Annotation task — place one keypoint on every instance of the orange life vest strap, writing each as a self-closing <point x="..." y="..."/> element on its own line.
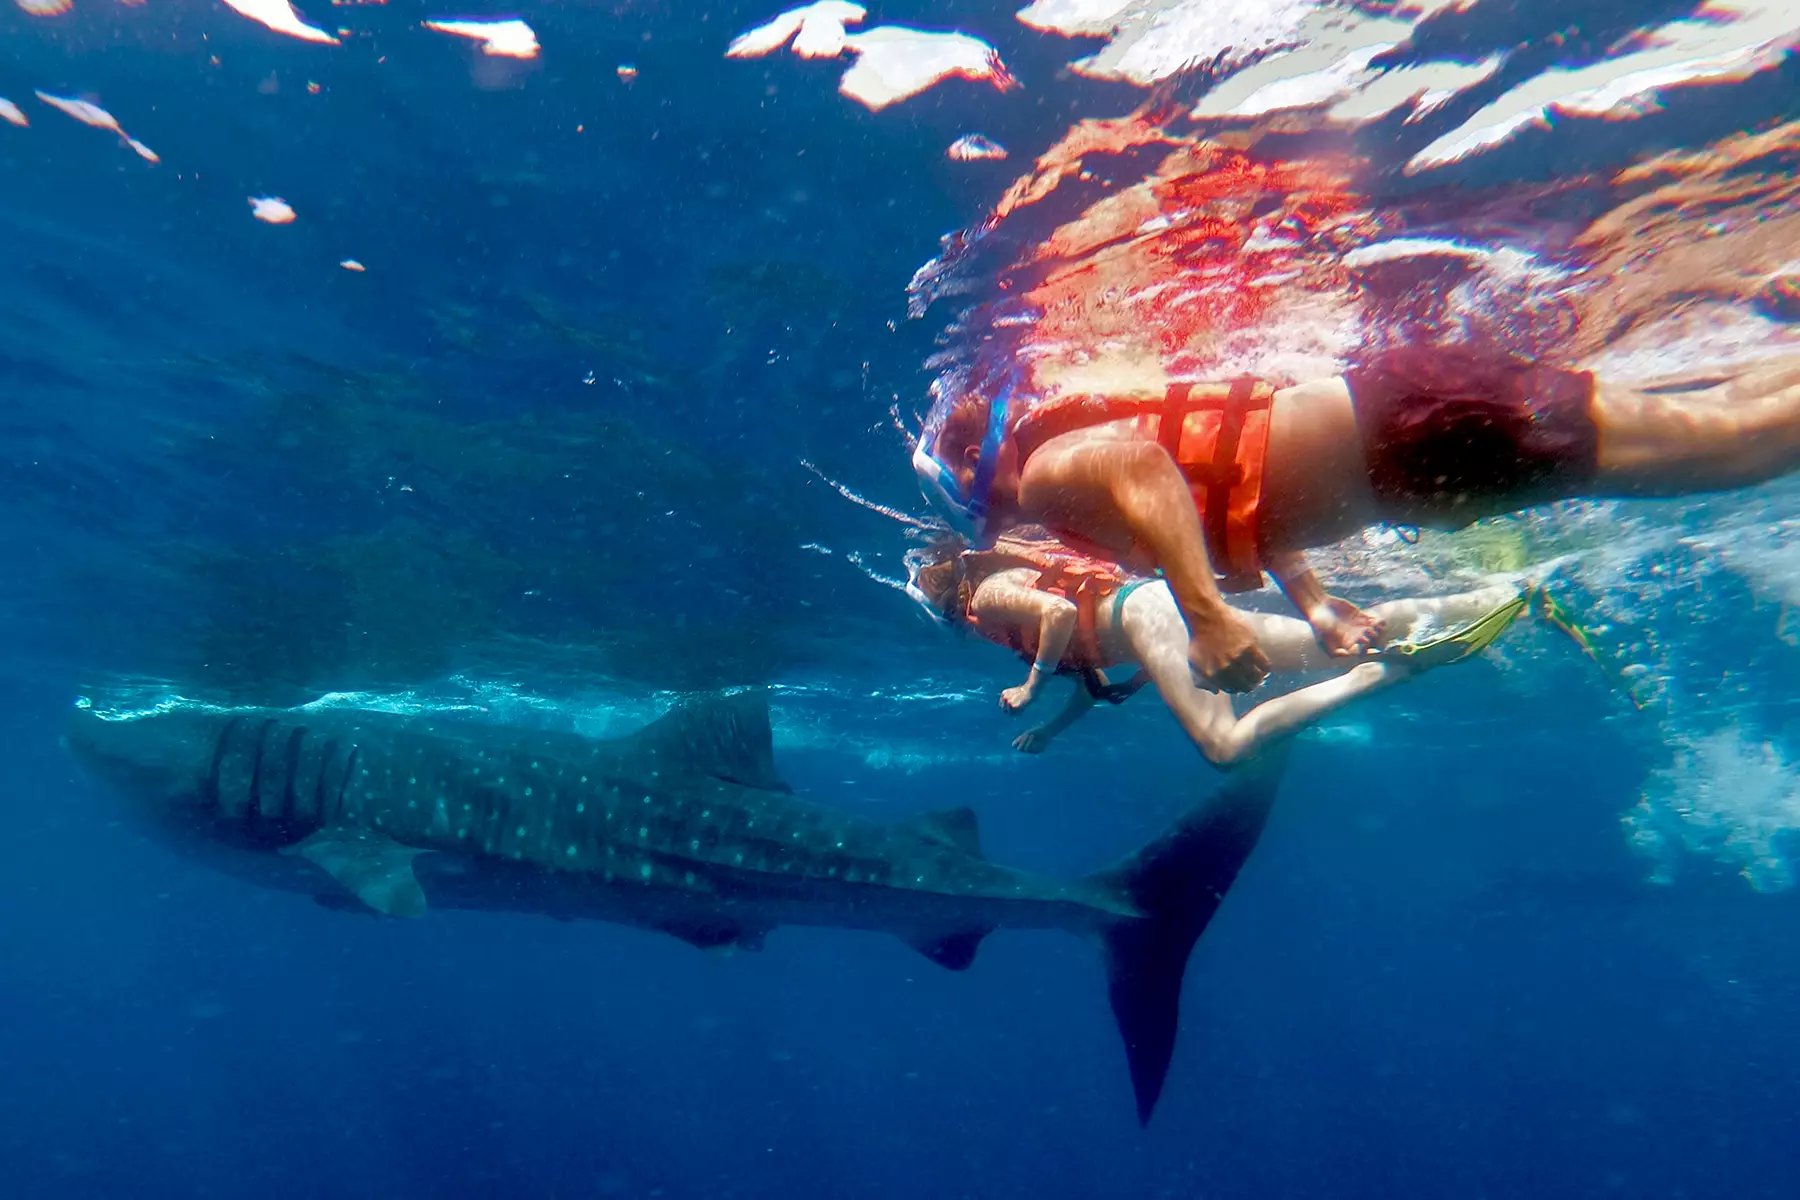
<point x="1226" y="494"/>
<point x="1084" y="590"/>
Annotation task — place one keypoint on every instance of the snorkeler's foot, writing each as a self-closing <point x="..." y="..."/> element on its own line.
<point x="1461" y="643"/>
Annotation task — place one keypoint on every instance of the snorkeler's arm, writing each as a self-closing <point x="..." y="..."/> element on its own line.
<point x="1128" y="495"/>
<point x="1343" y="629"/>
<point x="1001" y="602"/>
<point x="1036" y="741"/>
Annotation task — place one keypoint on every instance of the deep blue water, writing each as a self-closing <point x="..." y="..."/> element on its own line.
<point x="551" y="440"/>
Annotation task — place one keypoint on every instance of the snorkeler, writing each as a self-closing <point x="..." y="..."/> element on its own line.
<point x="1067" y="614"/>
<point x="1239" y="355"/>
<point x="1189" y="478"/>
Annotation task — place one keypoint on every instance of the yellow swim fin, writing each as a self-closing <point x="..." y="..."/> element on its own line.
<point x="1458" y="644"/>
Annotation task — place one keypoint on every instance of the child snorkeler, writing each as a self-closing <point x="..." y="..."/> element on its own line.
<point x="1068" y="614"/>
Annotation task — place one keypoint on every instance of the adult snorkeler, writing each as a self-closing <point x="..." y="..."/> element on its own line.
<point x="1106" y="396"/>
<point x="1250" y="477"/>
<point x="1067" y="614"/>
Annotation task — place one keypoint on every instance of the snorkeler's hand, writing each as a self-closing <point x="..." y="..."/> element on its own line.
<point x="1344" y="630"/>
<point x="1015" y="698"/>
<point x="1032" y="741"/>
<point x="1222" y="652"/>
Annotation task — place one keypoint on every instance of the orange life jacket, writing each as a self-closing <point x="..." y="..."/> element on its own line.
<point x="1061" y="572"/>
<point x="1218" y="434"/>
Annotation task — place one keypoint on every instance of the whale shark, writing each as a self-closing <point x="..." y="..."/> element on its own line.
<point x="684" y="827"/>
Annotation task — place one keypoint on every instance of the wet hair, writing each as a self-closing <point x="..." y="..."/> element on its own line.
<point x="965" y="425"/>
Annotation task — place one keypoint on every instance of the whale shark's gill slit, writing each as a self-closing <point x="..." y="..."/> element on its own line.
<point x="343" y="785"/>
<point x="327" y="756"/>
<point x="288" y="798"/>
<point x="253" y="801"/>
<point x="211" y="798"/>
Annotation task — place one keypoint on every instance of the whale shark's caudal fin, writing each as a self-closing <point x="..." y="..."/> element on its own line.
<point x="1177" y="882"/>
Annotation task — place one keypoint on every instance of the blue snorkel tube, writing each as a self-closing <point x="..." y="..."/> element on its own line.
<point x="967" y="512"/>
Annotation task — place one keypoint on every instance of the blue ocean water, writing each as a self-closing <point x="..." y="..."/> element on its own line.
<point x="1509" y="932"/>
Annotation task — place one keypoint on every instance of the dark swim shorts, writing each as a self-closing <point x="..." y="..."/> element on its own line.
<point x="1451" y="436"/>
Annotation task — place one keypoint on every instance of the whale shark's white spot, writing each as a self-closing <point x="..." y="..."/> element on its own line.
<point x="580" y="806"/>
<point x="645" y="870"/>
<point x="521" y="831"/>
<point x="694" y="845"/>
<point x="643" y="833"/>
<point x="584" y="779"/>
<point x="534" y="766"/>
<point x="528" y="791"/>
<point x="571" y="850"/>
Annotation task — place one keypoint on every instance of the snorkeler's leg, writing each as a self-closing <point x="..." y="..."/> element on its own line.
<point x="1732" y="434"/>
<point x="1293" y="712"/>
<point x="1226" y="739"/>
<point x="1291" y="646"/>
<point x="1403" y="617"/>
<point x="1158" y="638"/>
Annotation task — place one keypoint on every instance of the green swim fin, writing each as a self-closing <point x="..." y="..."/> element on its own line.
<point x="1458" y="644"/>
<point x="1559" y="617"/>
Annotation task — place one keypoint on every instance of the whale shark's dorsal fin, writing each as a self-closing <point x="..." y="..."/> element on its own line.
<point x="726" y="737"/>
<point x="955" y="827"/>
<point x="372" y="866"/>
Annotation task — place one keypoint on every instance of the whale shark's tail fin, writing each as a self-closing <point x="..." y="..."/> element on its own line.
<point x="1177" y="882"/>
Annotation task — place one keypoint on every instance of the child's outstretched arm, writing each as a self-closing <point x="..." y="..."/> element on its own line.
<point x="1004" y="601"/>
<point x="1036" y="741"/>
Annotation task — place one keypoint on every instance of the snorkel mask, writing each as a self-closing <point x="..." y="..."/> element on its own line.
<point x="915" y="562"/>
<point x="966" y="512"/>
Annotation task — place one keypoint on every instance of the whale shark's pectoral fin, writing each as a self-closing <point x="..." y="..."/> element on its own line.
<point x="715" y="935"/>
<point x="951" y="951"/>
<point x="372" y="866"/>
